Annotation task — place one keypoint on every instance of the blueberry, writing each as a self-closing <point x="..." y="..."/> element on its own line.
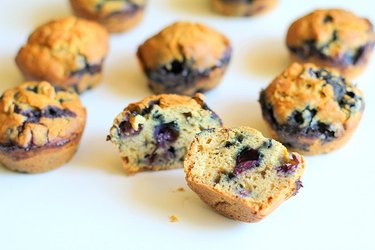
<point x="247" y="159"/>
<point x="32" y="89"/>
<point x="149" y="107"/>
<point x="126" y="129"/>
<point x="328" y="19"/>
<point x="288" y="168"/>
<point x="166" y="133"/>
<point x="56" y="112"/>
<point x="88" y="68"/>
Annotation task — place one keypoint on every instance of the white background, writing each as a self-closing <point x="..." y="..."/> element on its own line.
<point x="91" y="204"/>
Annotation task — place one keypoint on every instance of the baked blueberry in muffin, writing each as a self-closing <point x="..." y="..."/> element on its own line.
<point x="311" y="109"/>
<point x="240" y="173"/>
<point x="332" y="38"/>
<point x="242" y="7"/>
<point x="184" y="58"/>
<point x="155" y="133"/>
<point x="40" y="127"/>
<point x="115" y="15"/>
<point x="67" y="52"/>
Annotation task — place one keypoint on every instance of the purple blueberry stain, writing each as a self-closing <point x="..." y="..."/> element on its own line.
<point x="243" y="193"/>
<point x="56" y="112"/>
<point x="51" y="112"/>
<point x="247" y="159"/>
<point x="288" y="168"/>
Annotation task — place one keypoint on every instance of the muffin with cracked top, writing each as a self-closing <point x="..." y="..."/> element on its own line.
<point x="155" y="133"/>
<point x="184" y="58"/>
<point x="242" y="7"/>
<point x="115" y="15"/>
<point x="240" y="173"/>
<point x="67" y="52"/>
<point x="311" y="109"/>
<point x="332" y="38"/>
<point x="40" y="127"/>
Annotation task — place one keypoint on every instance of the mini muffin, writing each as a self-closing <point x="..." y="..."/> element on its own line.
<point x="311" y="109"/>
<point x="67" y="52"/>
<point x="115" y="15"/>
<point x="242" y="7"/>
<point x="332" y="38"/>
<point x="155" y="133"/>
<point x="240" y="173"/>
<point x="40" y="127"/>
<point x="184" y="58"/>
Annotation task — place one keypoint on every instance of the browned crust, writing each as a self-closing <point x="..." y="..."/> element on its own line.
<point x="316" y="146"/>
<point x="41" y="159"/>
<point x="131" y="170"/>
<point x="232" y="207"/>
<point x="242" y="8"/>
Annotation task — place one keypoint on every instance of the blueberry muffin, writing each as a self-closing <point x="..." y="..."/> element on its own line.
<point x="67" y="52"/>
<point x="184" y="58"/>
<point x="242" y="7"/>
<point x="40" y="127"/>
<point x="332" y="38"/>
<point x="311" y="109"/>
<point x="240" y="173"/>
<point x="115" y="15"/>
<point x="155" y="133"/>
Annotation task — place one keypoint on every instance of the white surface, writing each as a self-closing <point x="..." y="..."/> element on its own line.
<point x="90" y="203"/>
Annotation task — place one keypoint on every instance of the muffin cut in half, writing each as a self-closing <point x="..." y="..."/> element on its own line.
<point x="115" y="16"/>
<point x="185" y="58"/>
<point x="40" y="127"/>
<point x="332" y="38"/>
<point x="310" y="109"/>
<point x="155" y="133"/>
<point x="240" y="173"/>
<point x="67" y="52"/>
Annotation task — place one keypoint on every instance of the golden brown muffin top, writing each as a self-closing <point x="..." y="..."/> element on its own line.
<point x="333" y="31"/>
<point x="200" y="45"/>
<point x="61" y="47"/>
<point x="103" y="8"/>
<point x="304" y="94"/>
<point x="36" y="114"/>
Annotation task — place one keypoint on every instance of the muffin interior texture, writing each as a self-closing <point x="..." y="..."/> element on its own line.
<point x="156" y="132"/>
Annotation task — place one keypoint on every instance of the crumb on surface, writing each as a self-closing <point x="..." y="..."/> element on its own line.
<point x="181" y="189"/>
<point x="173" y="218"/>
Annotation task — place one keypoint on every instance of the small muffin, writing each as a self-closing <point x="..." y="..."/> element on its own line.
<point x="184" y="58"/>
<point x="332" y="38"/>
<point x="40" y="127"/>
<point x="242" y="7"/>
<point x="67" y="52"/>
<point x="115" y="15"/>
<point x="240" y="173"/>
<point x="310" y="109"/>
<point x="155" y="133"/>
